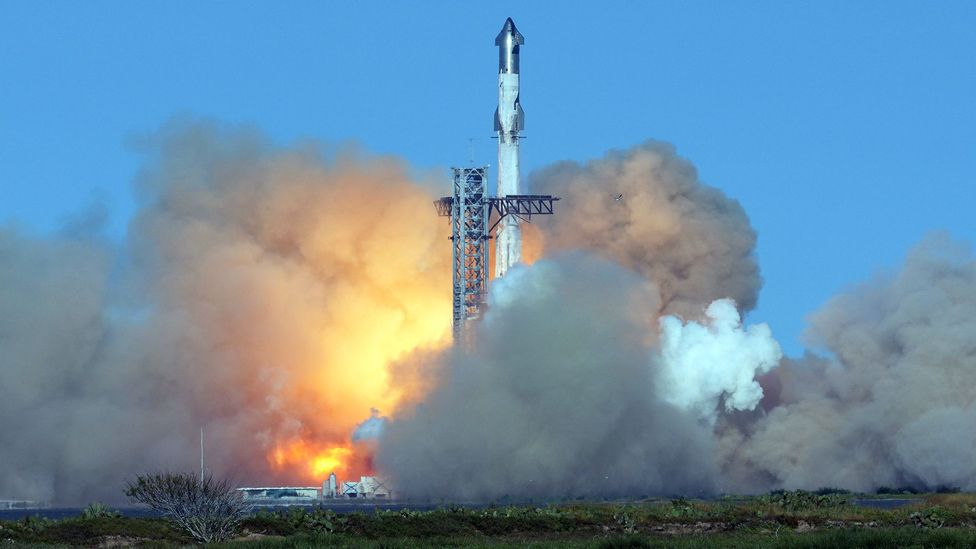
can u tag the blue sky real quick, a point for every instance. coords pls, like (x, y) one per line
(846, 129)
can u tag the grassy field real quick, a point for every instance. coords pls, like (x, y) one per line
(788, 519)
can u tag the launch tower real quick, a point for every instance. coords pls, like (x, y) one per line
(469, 212)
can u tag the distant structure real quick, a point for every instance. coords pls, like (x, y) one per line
(471, 209)
(11, 504)
(330, 486)
(366, 488)
(280, 495)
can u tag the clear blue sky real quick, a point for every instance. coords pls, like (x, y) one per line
(846, 129)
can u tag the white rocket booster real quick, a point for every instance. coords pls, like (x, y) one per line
(509, 121)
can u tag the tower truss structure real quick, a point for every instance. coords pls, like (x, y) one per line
(472, 211)
(469, 221)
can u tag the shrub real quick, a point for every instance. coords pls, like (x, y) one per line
(800, 500)
(681, 508)
(98, 510)
(319, 520)
(933, 517)
(91, 532)
(625, 522)
(208, 510)
(31, 524)
(828, 491)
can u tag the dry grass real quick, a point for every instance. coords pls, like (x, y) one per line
(958, 500)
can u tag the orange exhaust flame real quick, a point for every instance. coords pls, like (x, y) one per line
(313, 464)
(330, 461)
(338, 282)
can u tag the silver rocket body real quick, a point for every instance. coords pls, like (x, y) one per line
(509, 121)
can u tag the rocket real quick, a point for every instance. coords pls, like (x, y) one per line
(509, 121)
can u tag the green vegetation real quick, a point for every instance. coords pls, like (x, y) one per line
(98, 510)
(83, 531)
(778, 519)
(207, 509)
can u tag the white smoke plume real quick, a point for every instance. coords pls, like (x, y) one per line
(718, 360)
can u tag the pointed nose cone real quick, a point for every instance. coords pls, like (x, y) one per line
(508, 42)
(509, 30)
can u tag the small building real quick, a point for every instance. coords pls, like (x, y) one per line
(281, 495)
(330, 487)
(366, 487)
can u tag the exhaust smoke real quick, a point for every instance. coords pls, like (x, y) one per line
(296, 305)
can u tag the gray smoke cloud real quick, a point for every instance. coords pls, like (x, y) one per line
(885, 398)
(555, 399)
(282, 297)
(259, 294)
(52, 294)
(567, 392)
(893, 400)
(645, 209)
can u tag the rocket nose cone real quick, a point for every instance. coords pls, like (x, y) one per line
(509, 29)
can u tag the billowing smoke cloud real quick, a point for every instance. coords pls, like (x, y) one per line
(887, 397)
(556, 398)
(567, 391)
(295, 304)
(52, 325)
(645, 209)
(894, 402)
(718, 360)
(262, 295)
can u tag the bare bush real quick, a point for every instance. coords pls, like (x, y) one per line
(209, 510)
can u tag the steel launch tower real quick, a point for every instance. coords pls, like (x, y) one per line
(472, 210)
